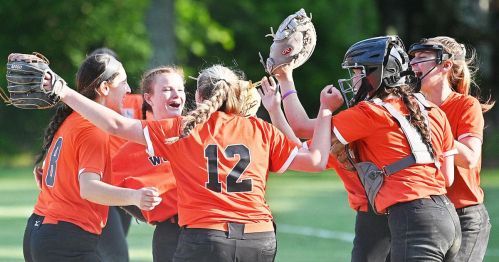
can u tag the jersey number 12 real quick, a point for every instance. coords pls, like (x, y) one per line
(233, 185)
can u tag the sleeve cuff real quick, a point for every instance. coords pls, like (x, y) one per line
(150, 148)
(450, 152)
(468, 135)
(339, 136)
(90, 170)
(286, 164)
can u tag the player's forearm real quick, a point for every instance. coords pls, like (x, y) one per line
(322, 135)
(448, 170)
(469, 153)
(103, 117)
(101, 193)
(279, 120)
(297, 117)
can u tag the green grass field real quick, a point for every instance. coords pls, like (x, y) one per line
(314, 221)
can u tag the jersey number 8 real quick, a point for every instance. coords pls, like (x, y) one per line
(54, 156)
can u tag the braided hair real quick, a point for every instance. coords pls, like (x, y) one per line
(416, 117)
(220, 89)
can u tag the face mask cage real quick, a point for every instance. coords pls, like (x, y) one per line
(350, 86)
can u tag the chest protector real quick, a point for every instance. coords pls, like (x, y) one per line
(371, 176)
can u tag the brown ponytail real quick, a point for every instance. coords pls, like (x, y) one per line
(91, 73)
(463, 69)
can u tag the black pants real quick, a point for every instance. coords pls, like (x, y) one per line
(372, 238)
(126, 219)
(58, 242)
(425, 229)
(164, 241)
(206, 245)
(112, 245)
(475, 229)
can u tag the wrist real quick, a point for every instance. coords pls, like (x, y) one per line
(286, 85)
(325, 112)
(288, 93)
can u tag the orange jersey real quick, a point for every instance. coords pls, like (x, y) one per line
(132, 106)
(115, 143)
(380, 140)
(466, 119)
(133, 168)
(78, 146)
(222, 167)
(41, 204)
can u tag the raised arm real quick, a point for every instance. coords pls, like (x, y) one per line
(271, 100)
(315, 158)
(302, 125)
(101, 116)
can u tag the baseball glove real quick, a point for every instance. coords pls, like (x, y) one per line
(135, 212)
(294, 41)
(25, 76)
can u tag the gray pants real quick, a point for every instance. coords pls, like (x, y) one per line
(206, 245)
(425, 229)
(113, 246)
(475, 228)
(372, 238)
(164, 240)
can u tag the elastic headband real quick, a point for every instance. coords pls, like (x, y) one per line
(442, 55)
(112, 67)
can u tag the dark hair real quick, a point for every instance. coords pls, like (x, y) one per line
(105, 50)
(93, 71)
(416, 117)
(385, 62)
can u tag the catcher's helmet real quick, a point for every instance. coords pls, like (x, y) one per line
(383, 61)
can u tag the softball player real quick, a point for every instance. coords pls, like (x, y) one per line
(220, 160)
(163, 89)
(421, 221)
(444, 77)
(372, 235)
(112, 242)
(72, 205)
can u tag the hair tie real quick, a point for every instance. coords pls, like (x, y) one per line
(289, 92)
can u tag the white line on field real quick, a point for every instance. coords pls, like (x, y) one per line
(315, 232)
(343, 236)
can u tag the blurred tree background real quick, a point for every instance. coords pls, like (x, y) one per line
(196, 34)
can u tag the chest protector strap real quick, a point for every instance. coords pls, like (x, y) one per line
(371, 176)
(420, 153)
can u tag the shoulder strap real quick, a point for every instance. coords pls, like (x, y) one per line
(420, 153)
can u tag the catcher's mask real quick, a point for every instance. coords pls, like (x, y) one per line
(383, 62)
(440, 55)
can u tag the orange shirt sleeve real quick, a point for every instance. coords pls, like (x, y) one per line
(471, 120)
(156, 133)
(282, 150)
(356, 123)
(448, 146)
(92, 151)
